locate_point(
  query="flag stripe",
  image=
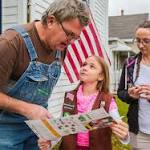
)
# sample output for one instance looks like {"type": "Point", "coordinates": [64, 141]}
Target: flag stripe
{"type": "Point", "coordinates": [96, 39]}
{"type": "Point", "coordinates": [86, 45]}
{"type": "Point", "coordinates": [82, 55]}
{"type": "Point", "coordinates": [83, 48]}
{"type": "Point", "coordinates": [88, 41]}
{"type": "Point", "coordinates": [92, 41]}
{"type": "Point", "coordinates": [70, 68]}
{"type": "Point", "coordinates": [67, 72]}
{"type": "Point", "coordinates": [73, 56]}
{"type": "Point", "coordinates": [76, 53]}
{"type": "Point", "coordinates": [73, 65]}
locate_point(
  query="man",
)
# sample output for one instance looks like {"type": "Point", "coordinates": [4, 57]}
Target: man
{"type": "Point", "coordinates": [31, 57]}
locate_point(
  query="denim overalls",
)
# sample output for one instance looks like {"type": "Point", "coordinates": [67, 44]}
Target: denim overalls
{"type": "Point", "coordinates": [34, 86]}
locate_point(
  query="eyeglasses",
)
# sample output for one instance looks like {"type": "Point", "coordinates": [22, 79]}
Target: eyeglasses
{"type": "Point", "coordinates": [70, 35]}
{"type": "Point", "coordinates": [144, 41]}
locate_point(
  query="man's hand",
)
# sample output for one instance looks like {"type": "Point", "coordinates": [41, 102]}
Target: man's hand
{"type": "Point", "coordinates": [34, 111]}
{"type": "Point", "coordinates": [29, 110]}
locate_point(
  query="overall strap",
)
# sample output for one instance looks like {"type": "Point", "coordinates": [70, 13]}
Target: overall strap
{"type": "Point", "coordinates": [28, 42]}
{"type": "Point", "coordinates": [58, 55]}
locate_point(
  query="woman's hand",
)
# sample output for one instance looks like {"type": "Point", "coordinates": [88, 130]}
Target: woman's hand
{"type": "Point", "coordinates": [135, 91]}
{"type": "Point", "coordinates": [145, 92]}
{"type": "Point", "coordinates": [120, 129]}
{"type": "Point", "coordinates": [44, 144]}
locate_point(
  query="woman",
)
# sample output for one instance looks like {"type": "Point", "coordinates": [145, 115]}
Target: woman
{"type": "Point", "coordinates": [92, 93]}
{"type": "Point", "coordinates": [134, 89]}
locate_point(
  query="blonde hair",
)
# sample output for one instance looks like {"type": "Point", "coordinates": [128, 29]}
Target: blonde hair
{"type": "Point", "coordinates": [67, 9]}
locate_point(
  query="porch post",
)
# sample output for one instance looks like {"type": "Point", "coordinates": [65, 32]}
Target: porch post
{"type": "Point", "coordinates": [128, 54]}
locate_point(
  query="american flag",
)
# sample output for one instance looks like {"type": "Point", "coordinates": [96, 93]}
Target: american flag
{"type": "Point", "coordinates": [88, 44]}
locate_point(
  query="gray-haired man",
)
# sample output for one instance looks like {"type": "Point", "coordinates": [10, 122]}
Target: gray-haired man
{"type": "Point", "coordinates": [31, 57]}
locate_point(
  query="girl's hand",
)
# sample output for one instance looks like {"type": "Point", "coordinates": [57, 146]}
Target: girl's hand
{"type": "Point", "coordinates": [44, 144]}
{"type": "Point", "coordinates": [135, 91]}
{"type": "Point", "coordinates": [120, 129]}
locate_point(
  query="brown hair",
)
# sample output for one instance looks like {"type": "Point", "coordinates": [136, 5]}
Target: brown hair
{"type": "Point", "coordinates": [67, 9]}
{"type": "Point", "coordinates": [139, 58]}
{"type": "Point", "coordinates": [104, 84]}
{"type": "Point", "coordinates": [145, 24]}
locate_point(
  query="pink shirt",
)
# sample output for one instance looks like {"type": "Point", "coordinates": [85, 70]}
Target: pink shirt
{"type": "Point", "coordinates": [85, 104]}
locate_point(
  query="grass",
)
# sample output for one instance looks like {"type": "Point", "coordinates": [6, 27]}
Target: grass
{"type": "Point", "coordinates": [122, 107]}
{"type": "Point", "coordinates": [116, 143]}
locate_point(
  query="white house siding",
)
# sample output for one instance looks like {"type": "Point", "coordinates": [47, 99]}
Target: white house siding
{"type": "Point", "coordinates": [99, 9]}
{"type": "Point", "coordinates": [37, 7]}
{"type": "Point", "coordinates": [13, 12]}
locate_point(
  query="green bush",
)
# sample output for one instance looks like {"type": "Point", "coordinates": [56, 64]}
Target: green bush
{"type": "Point", "coordinates": [123, 108]}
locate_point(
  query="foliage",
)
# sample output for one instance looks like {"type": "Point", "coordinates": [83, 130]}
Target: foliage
{"type": "Point", "coordinates": [123, 108]}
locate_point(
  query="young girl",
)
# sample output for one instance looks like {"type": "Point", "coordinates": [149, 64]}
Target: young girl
{"type": "Point", "coordinates": [92, 93]}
